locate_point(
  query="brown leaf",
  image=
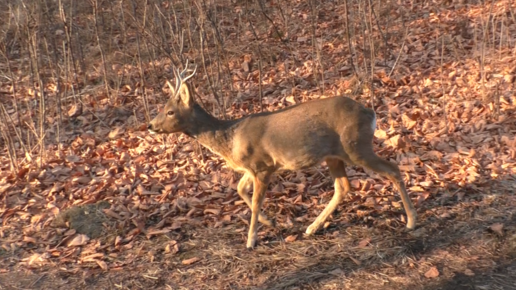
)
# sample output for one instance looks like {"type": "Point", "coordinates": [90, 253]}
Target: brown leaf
{"type": "Point", "coordinates": [291, 238]}
{"type": "Point", "coordinates": [289, 184]}
{"type": "Point", "coordinates": [172, 247]}
{"type": "Point", "coordinates": [380, 134]}
{"type": "Point", "coordinates": [79, 240]}
{"type": "Point", "coordinates": [431, 155]}
{"type": "Point", "coordinates": [416, 188]}
{"type": "Point", "coordinates": [21, 173]}
{"type": "Point", "coordinates": [291, 100]}
{"type": "Point", "coordinates": [395, 141]}
{"type": "Point", "coordinates": [73, 158]}
{"type": "Point", "coordinates": [246, 66]}
{"type": "Point", "coordinates": [175, 225]}
{"type": "Point", "coordinates": [81, 179]}
{"type": "Point", "coordinates": [118, 240]}
{"type": "Point", "coordinates": [4, 188]}
{"type": "Point", "coordinates": [29, 239]}
{"type": "Point", "coordinates": [140, 225]}
{"type": "Point", "coordinates": [36, 259]}
{"type": "Point", "coordinates": [302, 38]}
{"type": "Point", "coordinates": [432, 273]}
{"type": "Point", "coordinates": [214, 211]}
{"type": "Point", "coordinates": [75, 110]}
{"type": "Point", "coordinates": [468, 272]}
{"type": "Point", "coordinates": [298, 199]}
{"type": "Point", "coordinates": [408, 121]}
{"type": "Point", "coordinates": [92, 257]}
{"type": "Point", "coordinates": [427, 183]}
{"type": "Point", "coordinates": [497, 228]}
{"type": "Point", "coordinates": [355, 261]}
{"type": "Point", "coordinates": [111, 213]}
{"type": "Point", "coordinates": [70, 232]}
{"type": "Point", "coordinates": [190, 261]}
{"type": "Point", "coordinates": [355, 183]}
{"type": "Point", "coordinates": [445, 215]}
{"type": "Point", "coordinates": [154, 232]}
{"type": "Point", "coordinates": [337, 272]}
{"type": "Point", "coordinates": [116, 132]}
{"type": "Point", "coordinates": [102, 265]}
{"type": "Point", "coordinates": [363, 243]}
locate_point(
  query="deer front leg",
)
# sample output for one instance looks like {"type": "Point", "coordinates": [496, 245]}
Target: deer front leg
{"type": "Point", "coordinates": [244, 186]}
{"type": "Point", "coordinates": [260, 181]}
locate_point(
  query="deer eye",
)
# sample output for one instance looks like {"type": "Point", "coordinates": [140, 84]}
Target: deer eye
{"type": "Point", "coordinates": [170, 113]}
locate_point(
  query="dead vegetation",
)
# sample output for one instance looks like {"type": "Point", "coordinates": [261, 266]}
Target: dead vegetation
{"type": "Point", "coordinates": [80, 81]}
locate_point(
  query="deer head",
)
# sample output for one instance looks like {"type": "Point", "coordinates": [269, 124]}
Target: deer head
{"type": "Point", "coordinates": [178, 111]}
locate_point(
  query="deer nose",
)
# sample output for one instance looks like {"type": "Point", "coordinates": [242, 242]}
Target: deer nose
{"type": "Point", "coordinates": [149, 127]}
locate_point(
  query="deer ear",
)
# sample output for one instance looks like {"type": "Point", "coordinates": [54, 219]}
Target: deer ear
{"type": "Point", "coordinates": [185, 95]}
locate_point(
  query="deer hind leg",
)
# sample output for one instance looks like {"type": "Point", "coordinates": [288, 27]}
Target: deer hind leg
{"type": "Point", "coordinates": [261, 180]}
{"type": "Point", "coordinates": [244, 186]}
{"type": "Point", "coordinates": [338, 172]}
{"type": "Point", "coordinates": [391, 171]}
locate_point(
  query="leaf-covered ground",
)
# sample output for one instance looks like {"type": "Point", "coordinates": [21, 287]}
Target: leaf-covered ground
{"type": "Point", "coordinates": [113, 207]}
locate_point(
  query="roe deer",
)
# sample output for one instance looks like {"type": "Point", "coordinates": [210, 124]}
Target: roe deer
{"type": "Point", "coordinates": [337, 130]}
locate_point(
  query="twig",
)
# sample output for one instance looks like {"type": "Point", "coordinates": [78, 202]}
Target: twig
{"type": "Point", "coordinates": [37, 280]}
{"type": "Point", "coordinates": [400, 52]}
{"type": "Point", "coordinates": [262, 8]}
{"type": "Point", "coordinates": [259, 62]}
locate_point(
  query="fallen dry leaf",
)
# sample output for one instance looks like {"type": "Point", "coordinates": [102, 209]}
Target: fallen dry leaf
{"type": "Point", "coordinates": [355, 183]}
{"type": "Point", "coordinates": [79, 240]}
{"type": "Point", "coordinates": [497, 228]}
{"type": "Point", "coordinates": [190, 261]}
{"type": "Point", "coordinates": [363, 243]}
{"type": "Point", "coordinates": [432, 273]}
{"type": "Point", "coordinates": [214, 211]}
{"type": "Point", "coordinates": [36, 259]}
{"type": "Point", "coordinates": [29, 239]}
{"type": "Point", "coordinates": [172, 247]}
{"type": "Point", "coordinates": [356, 261]}
{"type": "Point", "coordinates": [103, 265]}
{"type": "Point", "coordinates": [468, 272]}
{"type": "Point", "coordinates": [337, 272]}
{"type": "Point", "coordinates": [75, 110]}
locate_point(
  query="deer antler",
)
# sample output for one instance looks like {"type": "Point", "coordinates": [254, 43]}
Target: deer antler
{"type": "Point", "coordinates": [181, 78]}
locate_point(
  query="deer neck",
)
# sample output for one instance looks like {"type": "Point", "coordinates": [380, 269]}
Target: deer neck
{"type": "Point", "coordinates": [213, 133]}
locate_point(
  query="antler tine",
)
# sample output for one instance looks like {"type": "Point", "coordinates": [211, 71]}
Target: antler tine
{"type": "Point", "coordinates": [178, 81]}
{"type": "Point", "coordinates": [186, 68]}
{"type": "Point", "coordinates": [191, 75]}
{"type": "Point", "coordinates": [181, 78]}
{"type": "Point", "coordinates": [181, 75]}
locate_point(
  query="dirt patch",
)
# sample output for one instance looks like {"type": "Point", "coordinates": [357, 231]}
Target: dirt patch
{"type": "Point", "coordinates": [85, 219]}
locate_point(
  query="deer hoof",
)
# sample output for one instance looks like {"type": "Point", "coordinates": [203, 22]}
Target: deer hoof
{"type": "Point", "coordinates": [410, 227]}
{"type": "Point", "coordinates": [251, 242]}
{"type": "Point", "coordinates": [250, 246]}
{"type": "Point", "coordinates": [311, 230]}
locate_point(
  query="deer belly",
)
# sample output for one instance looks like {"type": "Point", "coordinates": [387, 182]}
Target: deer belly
{"type": "Point", "coordinates": [297, 159]}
